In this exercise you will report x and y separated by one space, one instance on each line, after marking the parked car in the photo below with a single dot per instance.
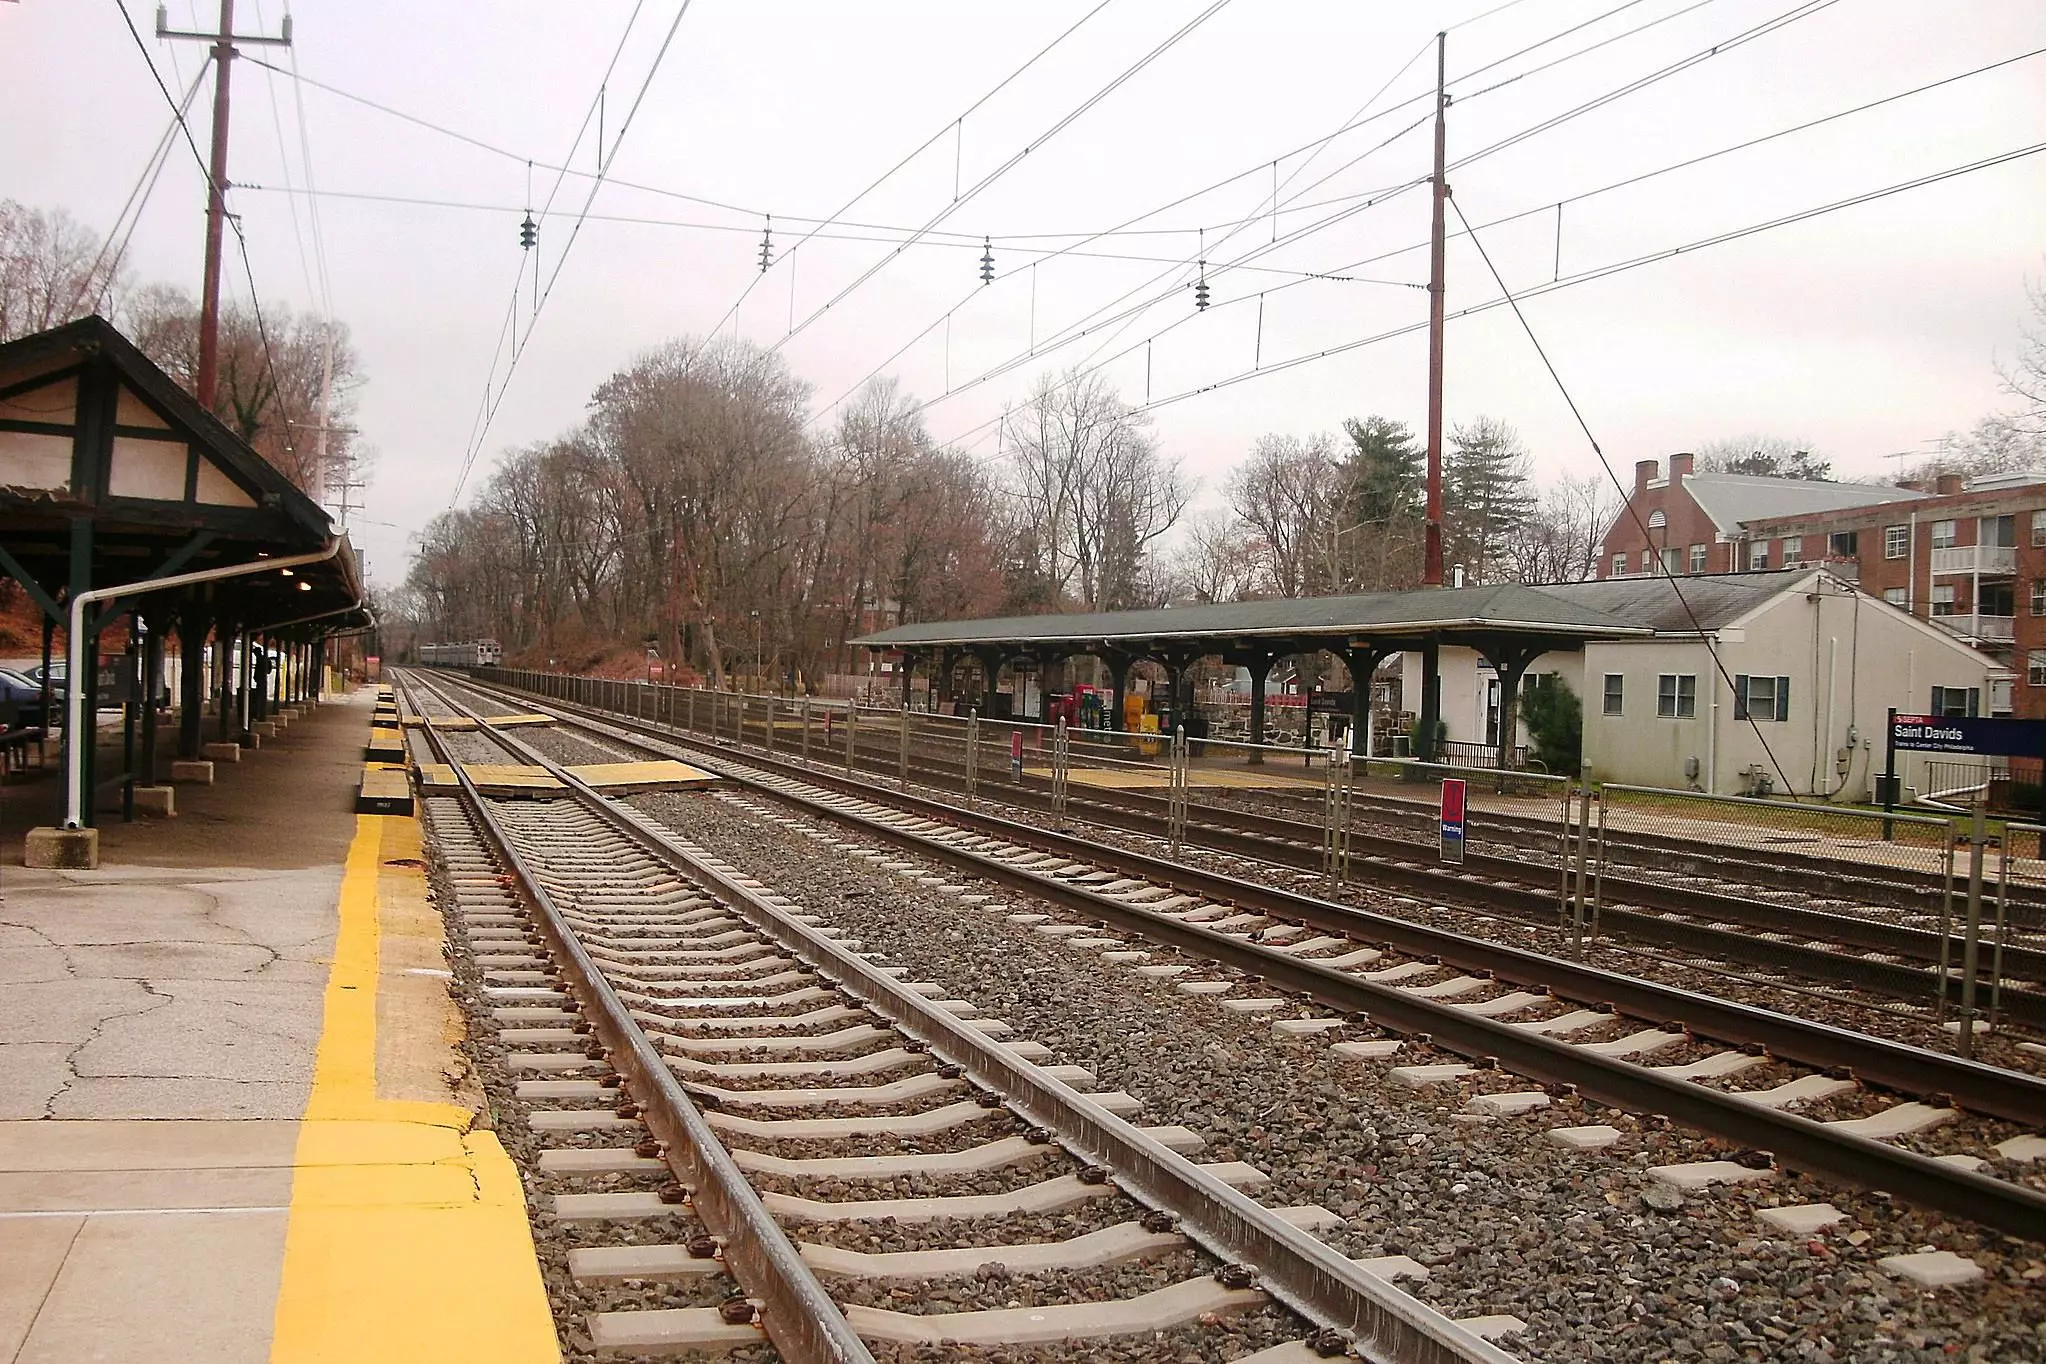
23 697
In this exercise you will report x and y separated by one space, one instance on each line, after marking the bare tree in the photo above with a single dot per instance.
1216 559
1095 490
1769 456
1286 493
1560 539
52 269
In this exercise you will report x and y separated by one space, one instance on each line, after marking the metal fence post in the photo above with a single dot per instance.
1946 926
1598 865
972 751
806 731
1060 756
1176 801
1971 943
902 752
852 724
2003 874
767 739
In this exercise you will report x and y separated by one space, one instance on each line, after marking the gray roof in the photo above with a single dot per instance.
1504 607
1734 499
1669 605
1611 608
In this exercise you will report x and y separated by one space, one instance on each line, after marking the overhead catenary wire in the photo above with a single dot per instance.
1065 121
956 126
596 184
1090 323
1533 291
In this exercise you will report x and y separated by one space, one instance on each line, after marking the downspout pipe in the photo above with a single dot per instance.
74 649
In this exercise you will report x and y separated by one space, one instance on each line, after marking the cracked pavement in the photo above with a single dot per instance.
155 993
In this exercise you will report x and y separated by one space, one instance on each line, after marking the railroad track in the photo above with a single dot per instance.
735 1080
1529 1014
1887 954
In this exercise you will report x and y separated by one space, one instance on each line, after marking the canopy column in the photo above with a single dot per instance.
1362 661
1427 741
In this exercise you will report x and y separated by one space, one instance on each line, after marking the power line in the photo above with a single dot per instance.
256 303
604 164
145 186
1626 502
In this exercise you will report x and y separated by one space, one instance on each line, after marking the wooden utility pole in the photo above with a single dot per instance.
1432 563
216 190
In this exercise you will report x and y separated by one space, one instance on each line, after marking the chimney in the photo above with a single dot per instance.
1949 484
1645 471
1679 465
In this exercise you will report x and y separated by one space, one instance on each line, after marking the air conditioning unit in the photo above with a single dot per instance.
1756 782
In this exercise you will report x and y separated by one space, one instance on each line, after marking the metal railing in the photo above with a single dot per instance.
1975 559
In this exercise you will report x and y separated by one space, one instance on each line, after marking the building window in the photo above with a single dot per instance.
1758 555
1956 703
1761 698
1896 541
1656 520
2001 531
1843 544
2039 530
2039 596
1616 689
2035 668
1619 565
1943 534
1897 596
1793 549
1676 696
1697 558
1673 561
1942 599
2001 690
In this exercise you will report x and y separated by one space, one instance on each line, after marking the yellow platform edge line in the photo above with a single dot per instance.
407 1238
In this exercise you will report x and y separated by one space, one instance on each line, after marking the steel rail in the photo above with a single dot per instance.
1794 1141
1295 1268
1499 883
1991 1090
797 1314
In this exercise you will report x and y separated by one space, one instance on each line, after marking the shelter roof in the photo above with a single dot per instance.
1506 608
1563 613
104 454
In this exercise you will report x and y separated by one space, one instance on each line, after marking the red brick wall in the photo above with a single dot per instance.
1685 524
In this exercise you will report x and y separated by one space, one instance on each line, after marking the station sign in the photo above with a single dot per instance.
1974 736
1454 793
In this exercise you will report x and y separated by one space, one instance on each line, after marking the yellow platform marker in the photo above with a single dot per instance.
516 721
513 779
407 1238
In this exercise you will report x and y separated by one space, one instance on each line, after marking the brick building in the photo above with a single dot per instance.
1696 523
1969 558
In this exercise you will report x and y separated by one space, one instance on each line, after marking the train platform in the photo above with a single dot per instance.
235 1123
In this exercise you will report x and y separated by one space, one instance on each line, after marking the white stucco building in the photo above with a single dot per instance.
1786 676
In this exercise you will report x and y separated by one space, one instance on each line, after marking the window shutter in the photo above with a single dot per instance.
1783 698
1974 702
1740 696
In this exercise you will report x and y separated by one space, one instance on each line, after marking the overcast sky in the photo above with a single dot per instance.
1865 331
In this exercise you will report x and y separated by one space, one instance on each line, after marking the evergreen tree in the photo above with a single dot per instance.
1384 471
1485 495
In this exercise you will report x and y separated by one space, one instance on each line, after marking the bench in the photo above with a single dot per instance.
16 744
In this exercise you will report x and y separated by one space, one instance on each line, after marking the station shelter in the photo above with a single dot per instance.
127 506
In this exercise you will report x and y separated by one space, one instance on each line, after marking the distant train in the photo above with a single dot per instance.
479 653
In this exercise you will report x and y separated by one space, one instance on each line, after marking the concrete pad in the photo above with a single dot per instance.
1804 1089
2024 1149
1509 1105
1801 1219
1691 1176
1131 954
1204 987
1420 1076
221 753
52 848
32 1251
1253 1006
1376 1049
1595 1137
1933 1268
1899 1121
1973 1164
1163 972
192 772
1713 1067
1305 1027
